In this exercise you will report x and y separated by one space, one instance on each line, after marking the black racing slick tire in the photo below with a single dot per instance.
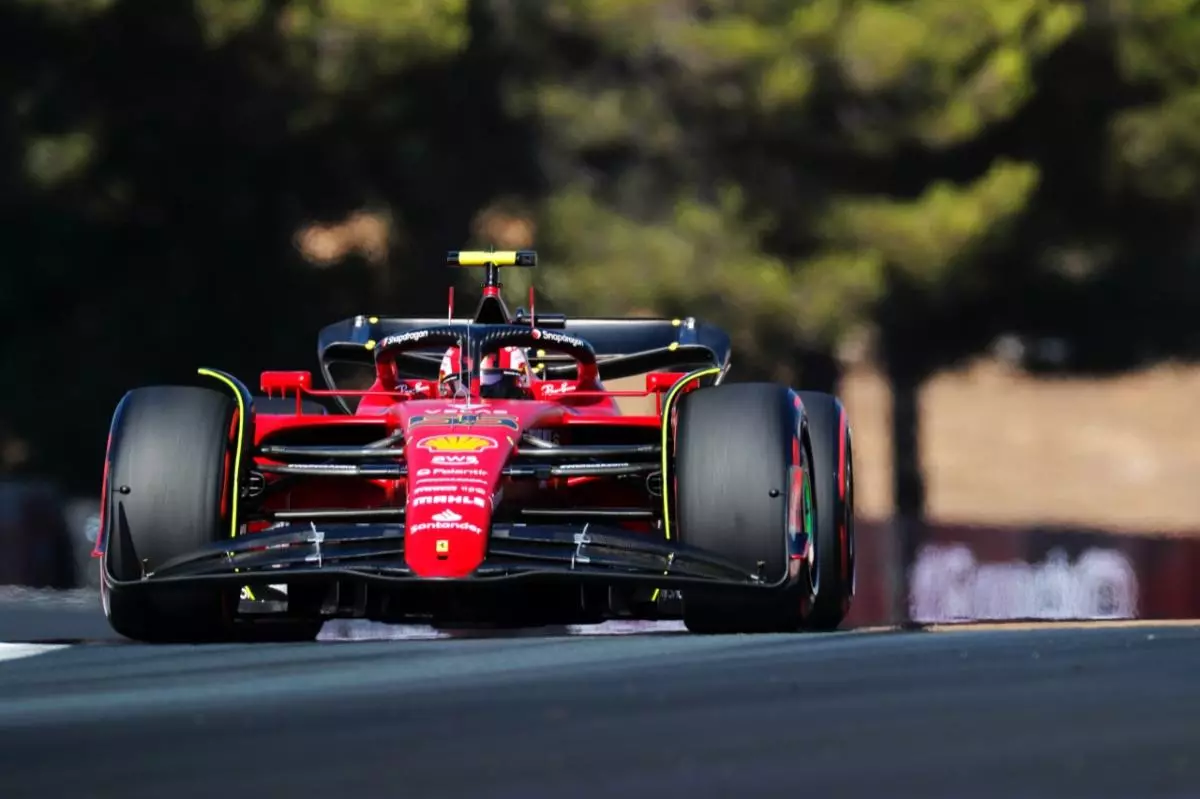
833 468
168 482
742 484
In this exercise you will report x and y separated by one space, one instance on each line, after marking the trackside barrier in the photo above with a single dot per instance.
36 544
961 573
965 573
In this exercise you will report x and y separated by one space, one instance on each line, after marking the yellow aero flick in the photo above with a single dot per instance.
458 443
483 258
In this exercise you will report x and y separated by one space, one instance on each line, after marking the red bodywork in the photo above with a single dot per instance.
447 471
455 452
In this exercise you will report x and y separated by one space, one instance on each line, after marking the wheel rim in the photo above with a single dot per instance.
814 571
105 600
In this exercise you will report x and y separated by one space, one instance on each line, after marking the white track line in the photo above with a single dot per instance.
16 651
627 628
356 630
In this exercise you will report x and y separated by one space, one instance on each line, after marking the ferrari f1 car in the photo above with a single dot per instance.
508 469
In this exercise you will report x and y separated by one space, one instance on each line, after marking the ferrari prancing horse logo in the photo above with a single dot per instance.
458 443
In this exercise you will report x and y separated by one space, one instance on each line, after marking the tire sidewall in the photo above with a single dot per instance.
759 441
829 432
150 516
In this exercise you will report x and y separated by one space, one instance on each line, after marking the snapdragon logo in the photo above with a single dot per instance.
948 584
557 338
403 338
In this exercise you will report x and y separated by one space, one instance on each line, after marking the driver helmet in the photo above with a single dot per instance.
502 375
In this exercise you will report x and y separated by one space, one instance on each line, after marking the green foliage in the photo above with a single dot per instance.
431 28
223 19
76 10
749 101
940 231
798 171
699 260
52 160
1157 144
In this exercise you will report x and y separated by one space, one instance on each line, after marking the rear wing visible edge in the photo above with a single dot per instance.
624 347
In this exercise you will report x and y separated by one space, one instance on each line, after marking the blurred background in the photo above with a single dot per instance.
976 221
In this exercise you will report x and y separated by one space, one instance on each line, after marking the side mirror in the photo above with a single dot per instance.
661 382
283 382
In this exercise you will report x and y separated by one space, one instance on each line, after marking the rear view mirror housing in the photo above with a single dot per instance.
283 382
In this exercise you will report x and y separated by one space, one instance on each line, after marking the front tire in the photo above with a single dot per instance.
741 464
169 483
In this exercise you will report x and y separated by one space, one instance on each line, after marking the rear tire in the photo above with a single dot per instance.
833 468
170 473
736 447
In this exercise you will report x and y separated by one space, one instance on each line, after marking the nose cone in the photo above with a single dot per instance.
453 473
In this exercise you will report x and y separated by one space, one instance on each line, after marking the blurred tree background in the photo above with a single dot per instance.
205 182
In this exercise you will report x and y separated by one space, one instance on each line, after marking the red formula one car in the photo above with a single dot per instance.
480 471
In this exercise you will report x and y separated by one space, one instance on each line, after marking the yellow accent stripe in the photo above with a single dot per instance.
668 401
479 258
237 453
666 429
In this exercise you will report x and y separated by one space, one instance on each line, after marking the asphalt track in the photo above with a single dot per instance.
1052 712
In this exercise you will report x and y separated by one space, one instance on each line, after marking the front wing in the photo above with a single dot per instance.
374 553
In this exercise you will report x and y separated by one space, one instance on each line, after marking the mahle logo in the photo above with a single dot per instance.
448 499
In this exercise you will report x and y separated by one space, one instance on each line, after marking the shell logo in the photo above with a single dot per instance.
458 443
